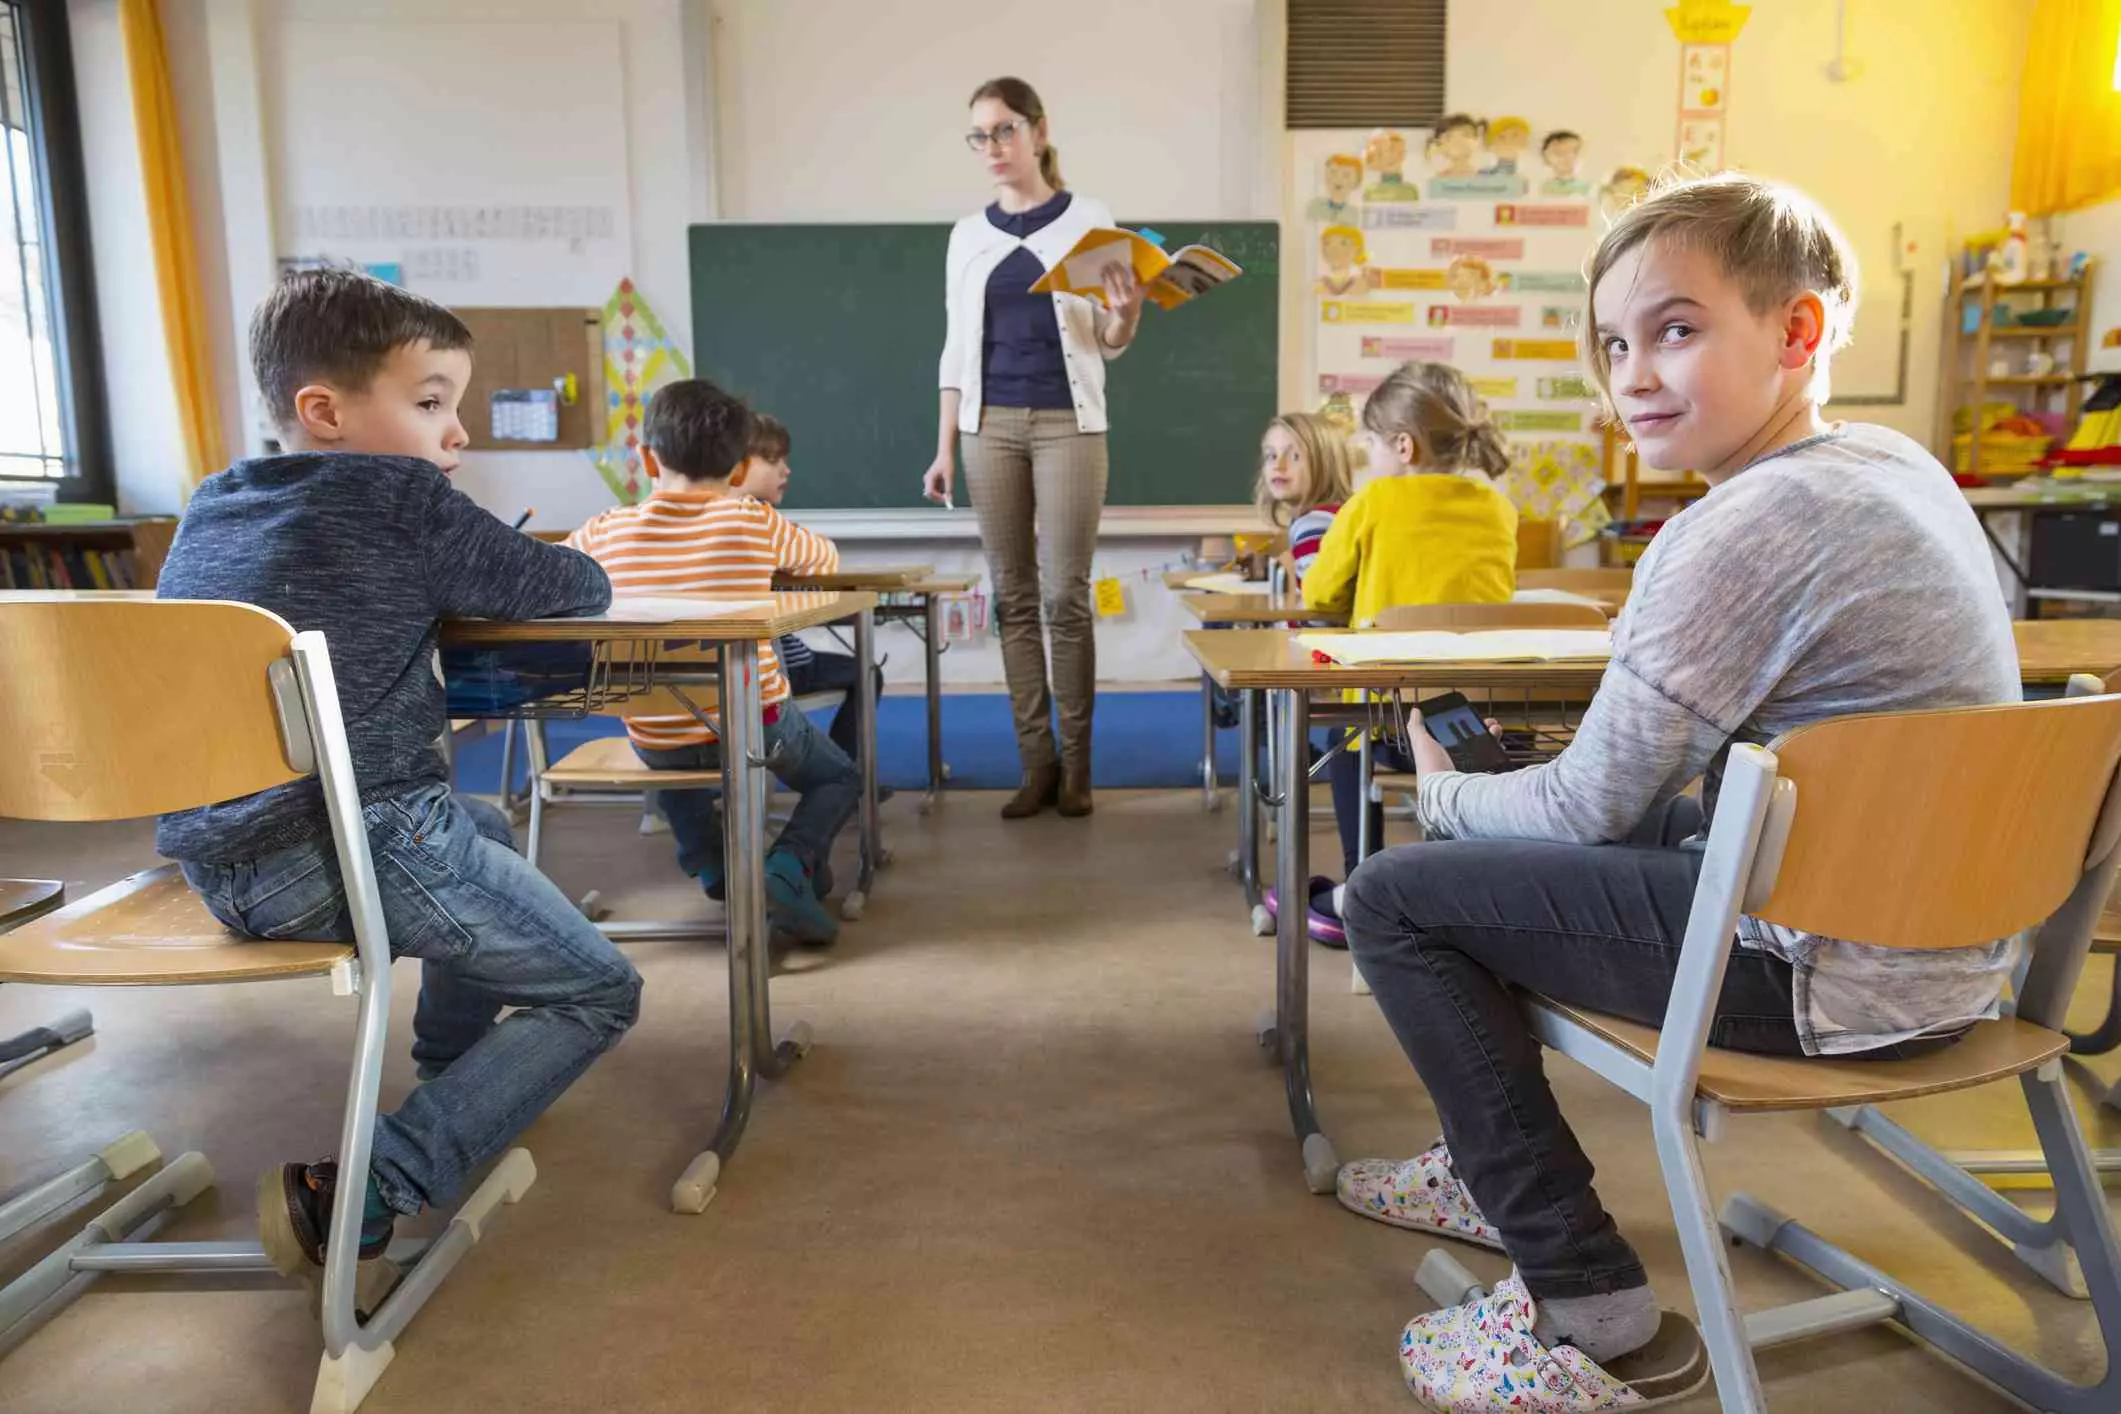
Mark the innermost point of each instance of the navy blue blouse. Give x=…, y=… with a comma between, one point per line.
x=1021, y=355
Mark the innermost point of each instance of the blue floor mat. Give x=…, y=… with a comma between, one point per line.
x=1145, y=740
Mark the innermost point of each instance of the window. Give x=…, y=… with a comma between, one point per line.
x=51, y=388
x=1365, y=63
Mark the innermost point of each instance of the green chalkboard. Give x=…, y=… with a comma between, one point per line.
x=836, y=330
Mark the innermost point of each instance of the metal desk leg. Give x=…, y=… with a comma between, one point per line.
x=1365, y=767
x=1209, y=797
x=1250, y=802
x=932, y=648
x=873, y=853
x=751, y=1049
x=1292, y=941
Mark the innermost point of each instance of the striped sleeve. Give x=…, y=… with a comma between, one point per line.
x=796, y=549
x=1306, y=533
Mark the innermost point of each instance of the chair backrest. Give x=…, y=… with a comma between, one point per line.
x=1407, y=618
x=1538, y=543
x=1936, y=829
x=116, y=708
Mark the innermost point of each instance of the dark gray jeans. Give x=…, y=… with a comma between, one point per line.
x=1443, y=931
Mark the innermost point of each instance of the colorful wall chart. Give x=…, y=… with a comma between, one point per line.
x=639, y=357
x=1474, y=233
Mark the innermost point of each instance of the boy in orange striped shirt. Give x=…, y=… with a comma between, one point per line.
x=696, y=533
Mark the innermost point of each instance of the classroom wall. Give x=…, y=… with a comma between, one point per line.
x=781, y=110
x=1923, y=136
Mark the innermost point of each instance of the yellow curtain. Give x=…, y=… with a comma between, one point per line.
x=184, y=324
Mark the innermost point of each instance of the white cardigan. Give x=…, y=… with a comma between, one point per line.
x=976, y=247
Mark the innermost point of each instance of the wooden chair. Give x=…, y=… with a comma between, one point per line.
x=120, y=709
x=605, y=771
x=1609, y=585
x=1984, y=822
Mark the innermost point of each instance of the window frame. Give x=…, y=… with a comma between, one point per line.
x=52, y=104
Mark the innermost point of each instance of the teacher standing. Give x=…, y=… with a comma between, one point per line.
x=1023, y=380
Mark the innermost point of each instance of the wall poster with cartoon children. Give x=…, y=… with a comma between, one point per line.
x=1492, y=299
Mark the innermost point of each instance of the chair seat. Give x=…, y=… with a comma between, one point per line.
x=23, y=899
x=1992, y=1050
x=151, y=930
x=610, y=761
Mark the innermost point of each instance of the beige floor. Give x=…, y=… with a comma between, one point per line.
x=1035, y=1163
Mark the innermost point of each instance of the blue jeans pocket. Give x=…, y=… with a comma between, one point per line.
x=292, y=895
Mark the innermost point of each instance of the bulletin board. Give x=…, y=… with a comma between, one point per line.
x=1464, y=245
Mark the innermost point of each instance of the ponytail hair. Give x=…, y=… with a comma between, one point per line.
x=1435, y=405
x=1021, y=98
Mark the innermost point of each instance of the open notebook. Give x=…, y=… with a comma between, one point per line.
x=1496, y=645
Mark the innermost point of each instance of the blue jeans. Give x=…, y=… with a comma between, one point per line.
x=1446, y=933
x=490, y=931
x=826, y=783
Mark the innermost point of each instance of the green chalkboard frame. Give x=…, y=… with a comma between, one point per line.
x=836, y=331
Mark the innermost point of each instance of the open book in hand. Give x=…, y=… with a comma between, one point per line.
x=1169, y=280
x=1501, y=645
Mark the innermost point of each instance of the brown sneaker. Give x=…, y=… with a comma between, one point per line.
x=1040, y=789
x=294, y=1215
x=1075, y=789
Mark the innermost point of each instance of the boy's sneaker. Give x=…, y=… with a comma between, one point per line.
x=792, y=902
x=294, y=1216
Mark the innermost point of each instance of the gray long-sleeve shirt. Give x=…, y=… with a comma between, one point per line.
x=1843, y=574
x=374, y=552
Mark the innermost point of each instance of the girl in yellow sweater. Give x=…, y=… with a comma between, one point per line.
x=1428, y=528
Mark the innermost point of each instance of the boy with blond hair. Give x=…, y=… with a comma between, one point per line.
x=1833, y=568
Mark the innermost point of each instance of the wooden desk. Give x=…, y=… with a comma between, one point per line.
x=926, y=607
x=1257, y=662
x=752, y=1048
x=876, y=577
x=2035, y=495
x=1254, y=609
x=925, y=589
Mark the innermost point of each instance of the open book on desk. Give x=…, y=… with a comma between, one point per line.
x=1501, y=645
x=1170, y=280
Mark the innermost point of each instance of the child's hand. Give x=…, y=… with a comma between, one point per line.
x=1429, y=755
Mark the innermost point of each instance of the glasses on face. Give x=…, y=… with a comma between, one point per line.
x=1002, y=135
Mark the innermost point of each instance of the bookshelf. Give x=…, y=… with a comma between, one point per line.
x=1988, y=324
x=109, y=554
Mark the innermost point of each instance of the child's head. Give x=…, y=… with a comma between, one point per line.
x=1457, y=137
x=1715, y=306
x=1343, y=175
x=695, y=432
x=1303, y=464
x=1471, y=277
x=347, y=363
x=1341, y=247
x=1509, y=137
x=1386, y=151
x=1561, y=151
x=1426, y=417
x=764, y=473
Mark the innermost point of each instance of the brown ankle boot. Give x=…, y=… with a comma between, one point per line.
x=1040, y=789
x=1075, y=788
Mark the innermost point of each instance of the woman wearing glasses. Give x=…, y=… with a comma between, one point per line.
x=1023, y=379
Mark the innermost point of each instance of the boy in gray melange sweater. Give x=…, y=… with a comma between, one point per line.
x=1831, y=569
x=356, y=532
